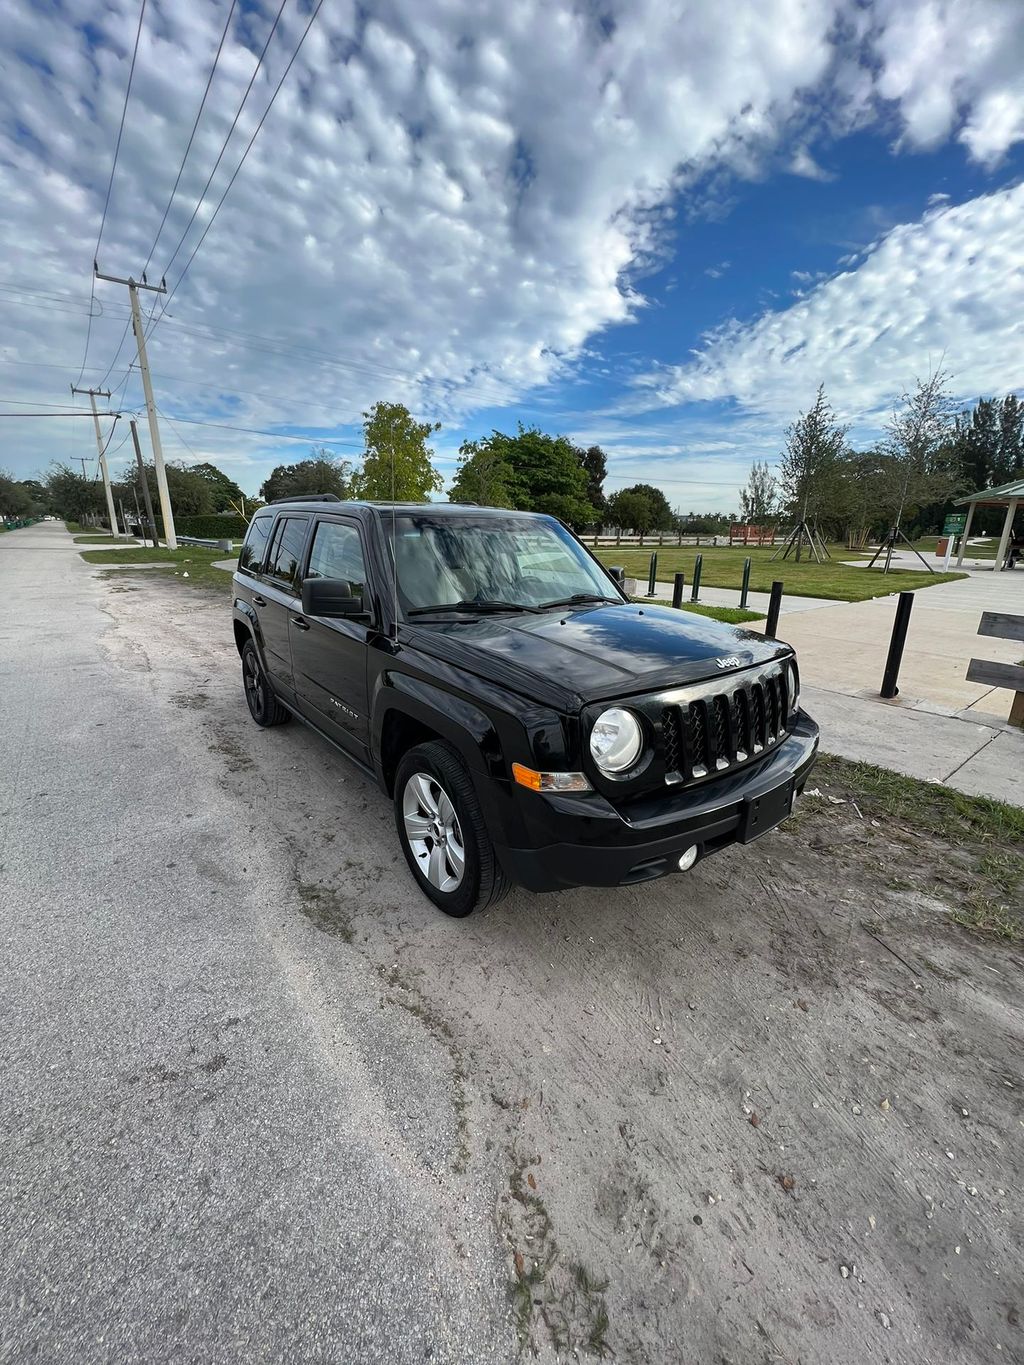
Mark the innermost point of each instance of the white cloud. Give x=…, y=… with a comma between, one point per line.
x=447, y=200
x=802, y=163
x=950, y=284
x=953, y=64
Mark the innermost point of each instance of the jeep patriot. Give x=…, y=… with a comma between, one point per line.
x=528, y=721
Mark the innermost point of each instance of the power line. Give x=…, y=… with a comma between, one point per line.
x=258, y=431
x=27, y=402
x=177, y=433
x=248, y=341
x=224, y=147
x=248, y=149
x=110, y=185
x=177, y=182
x=191, y=138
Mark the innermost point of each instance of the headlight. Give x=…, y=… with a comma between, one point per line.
x=794, y=687
x=616, y=740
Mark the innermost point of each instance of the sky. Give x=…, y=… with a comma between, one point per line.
x=627, y=221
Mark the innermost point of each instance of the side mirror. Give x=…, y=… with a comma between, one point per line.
x=618, y=573
x=330, y=597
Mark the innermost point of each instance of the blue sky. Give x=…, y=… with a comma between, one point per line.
x=640, y=227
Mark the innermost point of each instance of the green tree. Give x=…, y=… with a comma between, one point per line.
x=921, y=463
x=758, y=498
x=15, y=498
x=223, y=489
x=321, y=473
x=631, y=510
x=545, y=473
x=397, y=464
x=485, y=476
x=71, y=496
x=976, y=440
x=595, y=463
x=1009, y=461
x=660, y=517
x=809, y=468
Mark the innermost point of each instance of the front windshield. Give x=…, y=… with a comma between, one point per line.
x=443, y=560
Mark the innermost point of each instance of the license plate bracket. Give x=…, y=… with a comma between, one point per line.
x=762, y=811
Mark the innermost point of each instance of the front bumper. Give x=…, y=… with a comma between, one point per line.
x=583, y=840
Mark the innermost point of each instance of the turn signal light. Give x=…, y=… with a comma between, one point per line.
x=549, y=782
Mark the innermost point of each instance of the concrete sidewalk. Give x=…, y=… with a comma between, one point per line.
x=979, y=759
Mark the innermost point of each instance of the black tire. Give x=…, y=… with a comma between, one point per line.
x=482, y=882
x=264, y=707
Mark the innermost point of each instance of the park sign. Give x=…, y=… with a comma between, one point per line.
x=954, y=523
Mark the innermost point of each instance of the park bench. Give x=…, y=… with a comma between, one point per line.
x=1001, y=626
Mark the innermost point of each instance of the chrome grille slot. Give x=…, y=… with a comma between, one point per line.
x=717, y=725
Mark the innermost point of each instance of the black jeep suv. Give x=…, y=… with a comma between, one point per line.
x=530, y=723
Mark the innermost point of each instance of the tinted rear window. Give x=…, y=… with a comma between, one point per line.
x=255, y=543
x=286, y=551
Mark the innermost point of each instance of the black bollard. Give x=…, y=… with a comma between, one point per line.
x=771, y=626
x=746, y=583
x=698, y=564
x=652, y=574
x=678, y=584
x=896, y=644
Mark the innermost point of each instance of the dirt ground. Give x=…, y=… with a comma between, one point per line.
x=767, y=1111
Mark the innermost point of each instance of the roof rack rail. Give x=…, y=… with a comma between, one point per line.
x=306, y=497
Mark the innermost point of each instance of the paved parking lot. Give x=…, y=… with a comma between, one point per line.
x=262, y=1102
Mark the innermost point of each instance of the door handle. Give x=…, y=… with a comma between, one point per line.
x=298, y=621
x=258, y=601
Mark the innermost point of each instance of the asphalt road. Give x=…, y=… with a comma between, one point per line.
x=260, y=1101
x=209, y=1152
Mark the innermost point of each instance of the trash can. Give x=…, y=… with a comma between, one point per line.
x=940, y=549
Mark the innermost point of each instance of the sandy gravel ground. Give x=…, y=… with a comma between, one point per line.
x=266, y=1102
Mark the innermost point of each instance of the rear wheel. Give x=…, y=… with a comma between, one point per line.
x=264, y=707
x=442, y=831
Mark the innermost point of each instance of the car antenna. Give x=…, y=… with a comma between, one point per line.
x=394, y=533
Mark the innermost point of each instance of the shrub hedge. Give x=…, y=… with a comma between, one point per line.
x=212, y=527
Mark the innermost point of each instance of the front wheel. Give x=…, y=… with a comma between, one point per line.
x=264, y=707
x=442, y=831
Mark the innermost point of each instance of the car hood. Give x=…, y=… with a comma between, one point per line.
x=576, y=655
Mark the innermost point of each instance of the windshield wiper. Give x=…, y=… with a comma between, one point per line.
x=579, y=598
x=486, y=605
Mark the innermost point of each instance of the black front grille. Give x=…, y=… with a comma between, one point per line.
x=717, y=731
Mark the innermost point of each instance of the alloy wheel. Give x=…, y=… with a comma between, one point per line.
x=433, y=831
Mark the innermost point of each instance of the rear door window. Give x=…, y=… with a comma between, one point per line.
x=286, y=550
x=251, y=558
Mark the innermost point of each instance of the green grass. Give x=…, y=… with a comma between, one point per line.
x=170, y=564
x=80, y=528
x=99, y=540
x=723, y=568
x=732, y=616
x=988, y=835
x=927, y=544
x=928, y=806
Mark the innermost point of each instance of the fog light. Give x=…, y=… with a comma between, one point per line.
x=688, y=859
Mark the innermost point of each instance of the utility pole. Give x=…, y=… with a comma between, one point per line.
x=103, y=393
x=147, y=387
x=138, y=511
x=145, y=485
